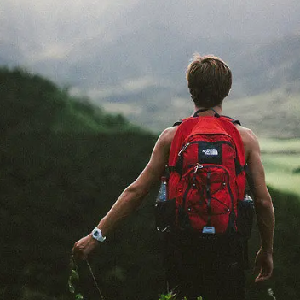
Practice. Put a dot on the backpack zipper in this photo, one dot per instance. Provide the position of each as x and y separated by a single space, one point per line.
229 188
195 170
184 147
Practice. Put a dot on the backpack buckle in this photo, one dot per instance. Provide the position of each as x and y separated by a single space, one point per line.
209 230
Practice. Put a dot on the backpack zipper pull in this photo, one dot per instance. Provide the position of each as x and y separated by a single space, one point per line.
183 149
196 168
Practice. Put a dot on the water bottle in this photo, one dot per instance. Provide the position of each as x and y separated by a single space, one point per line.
248 198
250 204
161 207
162 193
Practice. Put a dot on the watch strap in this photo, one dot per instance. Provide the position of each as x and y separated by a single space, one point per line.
97 235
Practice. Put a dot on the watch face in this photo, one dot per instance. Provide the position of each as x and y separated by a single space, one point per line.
96 233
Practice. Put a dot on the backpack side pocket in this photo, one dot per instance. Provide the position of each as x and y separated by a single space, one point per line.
165 215
245 217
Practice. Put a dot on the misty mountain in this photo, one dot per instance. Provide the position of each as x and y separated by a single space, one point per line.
270 66
162 97
131 57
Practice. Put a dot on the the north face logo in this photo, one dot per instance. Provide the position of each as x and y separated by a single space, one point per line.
210 152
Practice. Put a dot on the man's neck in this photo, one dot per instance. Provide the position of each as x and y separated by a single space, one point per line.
208 112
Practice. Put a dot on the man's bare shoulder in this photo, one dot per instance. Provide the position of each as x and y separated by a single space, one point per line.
247 134
167 135
161 149
249 139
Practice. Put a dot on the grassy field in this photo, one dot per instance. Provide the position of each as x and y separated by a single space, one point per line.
281 159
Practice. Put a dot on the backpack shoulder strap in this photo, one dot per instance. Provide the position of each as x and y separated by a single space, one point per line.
233 121
185 127
229 125
177 123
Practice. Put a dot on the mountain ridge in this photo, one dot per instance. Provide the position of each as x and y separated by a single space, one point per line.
134 60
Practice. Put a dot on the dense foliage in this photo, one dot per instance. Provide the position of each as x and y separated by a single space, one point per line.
63 164
32 103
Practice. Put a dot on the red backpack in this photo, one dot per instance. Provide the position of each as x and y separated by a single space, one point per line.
207 174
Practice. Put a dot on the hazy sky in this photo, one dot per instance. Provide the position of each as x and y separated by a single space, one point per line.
65 40
51 28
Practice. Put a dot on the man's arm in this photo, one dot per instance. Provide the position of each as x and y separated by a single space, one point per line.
263 205
133 195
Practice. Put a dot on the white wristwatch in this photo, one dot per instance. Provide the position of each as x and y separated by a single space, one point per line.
97 235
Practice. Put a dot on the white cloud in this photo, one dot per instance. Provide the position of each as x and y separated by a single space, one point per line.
50 26
122 108
139 83
133 85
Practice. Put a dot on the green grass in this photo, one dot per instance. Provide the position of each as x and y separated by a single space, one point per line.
281 159
273 114
278 145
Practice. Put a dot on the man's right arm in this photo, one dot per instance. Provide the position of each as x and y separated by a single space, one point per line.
132 196
263 205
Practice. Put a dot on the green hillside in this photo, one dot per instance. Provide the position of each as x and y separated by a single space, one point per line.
275 114
63 164
32 103
282 163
